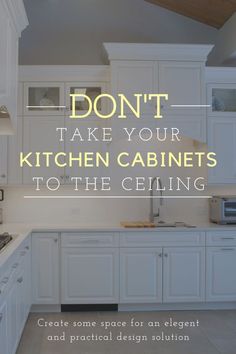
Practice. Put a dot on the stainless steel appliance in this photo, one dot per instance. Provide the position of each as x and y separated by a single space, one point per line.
223 209
5 238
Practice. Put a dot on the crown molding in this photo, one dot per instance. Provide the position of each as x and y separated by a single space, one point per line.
153 51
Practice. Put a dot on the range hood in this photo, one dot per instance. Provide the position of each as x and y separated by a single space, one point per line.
6 127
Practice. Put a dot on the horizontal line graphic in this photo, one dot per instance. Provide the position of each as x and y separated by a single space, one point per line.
190 105
46 106
115 197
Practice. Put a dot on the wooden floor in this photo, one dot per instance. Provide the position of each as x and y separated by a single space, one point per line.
216 333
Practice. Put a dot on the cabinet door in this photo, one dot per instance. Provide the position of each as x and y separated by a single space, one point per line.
184 274
12 318
91 90
40 135
185 85
221 100
135 77
3 160
141 275
220 281
222 141
45 268
3 329
42 98
90 276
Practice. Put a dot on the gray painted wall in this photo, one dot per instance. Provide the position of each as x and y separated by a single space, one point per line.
72 31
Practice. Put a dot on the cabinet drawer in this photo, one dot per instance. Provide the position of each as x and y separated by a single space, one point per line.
221 238
151 239
90 239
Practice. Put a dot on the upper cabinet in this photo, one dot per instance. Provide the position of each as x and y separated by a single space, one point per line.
13 20
135 77
176 70
44 98
221 127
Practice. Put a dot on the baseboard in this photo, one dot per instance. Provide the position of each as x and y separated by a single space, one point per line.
45 308
180 307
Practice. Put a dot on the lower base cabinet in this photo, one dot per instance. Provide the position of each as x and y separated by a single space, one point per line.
90 275
45 268
220 273
140 275
16 302
3 329
168 275
184 274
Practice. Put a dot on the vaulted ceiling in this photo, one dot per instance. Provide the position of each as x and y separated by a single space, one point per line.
211 12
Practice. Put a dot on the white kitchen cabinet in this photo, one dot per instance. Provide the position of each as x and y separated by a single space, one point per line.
3 328
184 83
92 90
12 319
40 135
3 160
90 275
220 273
183 274
141 275
135 77
15 297
44 98
12 22
222 141
45 268
221 98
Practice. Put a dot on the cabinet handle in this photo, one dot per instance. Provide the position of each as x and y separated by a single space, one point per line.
227 249
1 317
166 254
90 241
160 254
27 247
20 280
227 238
3 175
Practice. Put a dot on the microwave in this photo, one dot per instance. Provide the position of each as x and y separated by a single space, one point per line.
223 209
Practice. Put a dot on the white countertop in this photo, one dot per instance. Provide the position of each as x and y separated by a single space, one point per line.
23 230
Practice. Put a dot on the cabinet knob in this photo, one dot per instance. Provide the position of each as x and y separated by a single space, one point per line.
166 254
55 240
3 175
27 247
20 280
160 254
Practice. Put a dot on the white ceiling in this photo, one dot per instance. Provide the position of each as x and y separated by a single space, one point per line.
72 31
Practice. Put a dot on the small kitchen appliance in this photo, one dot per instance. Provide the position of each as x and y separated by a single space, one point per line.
223 209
